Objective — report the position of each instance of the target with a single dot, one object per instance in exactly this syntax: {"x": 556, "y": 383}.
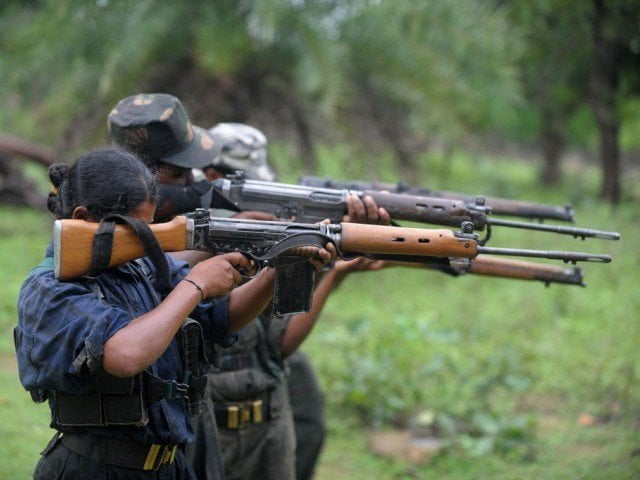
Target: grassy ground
{"x": 576, "y": 349}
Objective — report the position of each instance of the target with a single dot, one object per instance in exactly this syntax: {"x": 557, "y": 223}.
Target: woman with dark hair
{"x": 110, "y": 352}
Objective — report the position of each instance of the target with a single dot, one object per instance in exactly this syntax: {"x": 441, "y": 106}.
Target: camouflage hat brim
{"x": 203, "y": 150}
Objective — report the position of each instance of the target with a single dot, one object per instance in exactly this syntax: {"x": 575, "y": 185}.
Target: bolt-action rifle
{"x": 306, "y": 204}
{"x": 282, "y": 245}
{"x": 499, "y": 206}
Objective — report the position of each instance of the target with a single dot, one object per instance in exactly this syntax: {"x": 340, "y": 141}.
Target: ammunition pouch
{"x": 124, "y": 401}
{"x": 194, "y": 364}
{"x": 237, "y": 415}
{"x": 116, "y": 401}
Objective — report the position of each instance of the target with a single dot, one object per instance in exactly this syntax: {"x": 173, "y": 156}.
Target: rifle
{"x": 313, "y": 204}
{"x": 278, "y": 244}
{"x": 504, "y": 268}
{"x": 499, "y": 206}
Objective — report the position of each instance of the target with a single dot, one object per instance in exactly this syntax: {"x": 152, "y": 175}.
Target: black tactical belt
{"x": 236, "y": 415}
{"x": 120, "y": 452}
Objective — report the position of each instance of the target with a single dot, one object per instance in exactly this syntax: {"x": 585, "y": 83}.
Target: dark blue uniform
{"x": 60, "y": 339}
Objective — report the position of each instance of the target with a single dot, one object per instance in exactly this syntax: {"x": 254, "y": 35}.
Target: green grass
{"x": 24, "y": 426}
{"x": 563, "y": 351}
{"x": 562, "y": 451}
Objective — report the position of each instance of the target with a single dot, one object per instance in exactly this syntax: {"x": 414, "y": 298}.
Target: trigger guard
{"x": 258, "y": 267}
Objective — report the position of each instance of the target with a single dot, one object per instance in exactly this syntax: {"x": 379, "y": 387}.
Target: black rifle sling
{"x": 103, "y": 245}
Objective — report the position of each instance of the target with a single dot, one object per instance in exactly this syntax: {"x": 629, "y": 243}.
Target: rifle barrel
{"x": 571, "y": 257}
{"x": 574, "y": 231}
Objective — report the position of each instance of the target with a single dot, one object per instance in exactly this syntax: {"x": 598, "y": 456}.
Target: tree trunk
{"x": 15, "y": 187}
{"x": 604, "y": 84}
{"x": 552, "y": 141}
{"x": 305, "y": 144}
{"x": 19, "y": 146}
{"x": 406, "y": 164}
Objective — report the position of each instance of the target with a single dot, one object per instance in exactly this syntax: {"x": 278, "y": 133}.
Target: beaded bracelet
{"x": 197, "y": 286}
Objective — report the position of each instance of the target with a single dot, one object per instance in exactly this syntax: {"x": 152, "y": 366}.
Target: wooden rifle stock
{"x": 73, "y": 244}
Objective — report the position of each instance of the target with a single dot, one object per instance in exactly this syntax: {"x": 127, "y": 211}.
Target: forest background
{"x": 531, "y": 99}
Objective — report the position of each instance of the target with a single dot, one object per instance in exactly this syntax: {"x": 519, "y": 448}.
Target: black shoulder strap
{"x": 103, "y": 245}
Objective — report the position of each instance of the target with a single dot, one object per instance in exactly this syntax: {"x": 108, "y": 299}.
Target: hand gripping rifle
{"x": 282, "y": 245}
{"x": 499, "y": 206}
{"x": 306, "y": 204}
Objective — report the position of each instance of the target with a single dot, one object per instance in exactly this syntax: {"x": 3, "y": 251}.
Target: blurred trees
{"x": 616, "y": 63}
{"x": 553, "y": 70}
{"x": 580, "y": 53}
{"x": 383, "y": 75}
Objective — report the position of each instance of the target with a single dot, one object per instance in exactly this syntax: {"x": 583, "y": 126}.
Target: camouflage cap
{"x": 157, "y": 126}
{"x": 243, "y": 148}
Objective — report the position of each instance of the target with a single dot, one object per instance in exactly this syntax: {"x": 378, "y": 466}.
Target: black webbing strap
{"x": 156, "y": 388}
{"x": 191, "y": 343}
{"x": 103, "y": 244}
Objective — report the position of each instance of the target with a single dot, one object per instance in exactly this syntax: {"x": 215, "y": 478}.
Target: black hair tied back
{"x": 57, "y": 172}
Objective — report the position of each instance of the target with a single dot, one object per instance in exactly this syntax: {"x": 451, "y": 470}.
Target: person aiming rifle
{"x": 118, "y": 351}
{"x": 179, "y": 193}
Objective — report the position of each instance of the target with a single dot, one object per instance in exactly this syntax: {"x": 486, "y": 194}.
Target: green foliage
{"x": 630, "y": 132}
{"x": 316, "y": 53}
{"x": 495, "y": 359}
{"x": 386, "y": 372}
{"x": 404, "y": 51}
{"x": 66, "y": 57}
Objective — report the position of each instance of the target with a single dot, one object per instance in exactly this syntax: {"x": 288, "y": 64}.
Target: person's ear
{"x": 80, "y": 213}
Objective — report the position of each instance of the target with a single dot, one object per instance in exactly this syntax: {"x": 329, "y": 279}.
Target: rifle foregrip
{"x": 438, "y": 211}
{"x": 363, "y": 238}
{"x": 73, "y": 244}
{"x": 507, "y": 268}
